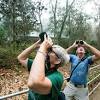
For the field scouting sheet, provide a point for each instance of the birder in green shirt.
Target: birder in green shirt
(44, 81)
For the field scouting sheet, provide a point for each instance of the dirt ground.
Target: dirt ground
(96, 94)
(15, 79)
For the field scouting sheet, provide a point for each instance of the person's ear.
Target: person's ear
(58, 61)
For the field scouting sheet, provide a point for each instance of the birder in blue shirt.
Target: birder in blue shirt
(77, 88)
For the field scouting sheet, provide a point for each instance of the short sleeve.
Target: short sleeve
(90, 61)
(71, 57)
(57, 81)
(29, 64)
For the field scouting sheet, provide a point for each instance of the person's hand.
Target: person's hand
(37, 44)
(75, 45)
(47, 43)
(85, 44)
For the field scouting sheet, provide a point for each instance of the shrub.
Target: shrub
(8, 57)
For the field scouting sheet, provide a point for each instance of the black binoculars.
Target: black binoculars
(79, 42)
(41, 36)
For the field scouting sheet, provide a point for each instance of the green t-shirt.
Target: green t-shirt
(57, 80)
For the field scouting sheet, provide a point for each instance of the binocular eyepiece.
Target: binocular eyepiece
(79, 42)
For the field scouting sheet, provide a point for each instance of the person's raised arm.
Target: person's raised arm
(69, 49)
(23, 57)
(95, 51)
(37, 81)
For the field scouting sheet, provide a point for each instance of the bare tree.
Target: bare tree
(54, 10)
(58, 34)
(97, 5)
(68, 7)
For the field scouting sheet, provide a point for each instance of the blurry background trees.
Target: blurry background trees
(19, 18)
(66, 23)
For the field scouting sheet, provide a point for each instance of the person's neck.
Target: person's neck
(80, 57)
(52, 66)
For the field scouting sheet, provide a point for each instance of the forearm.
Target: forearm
(27, 52)
(38, 67)
(69, 49)
(95, 51)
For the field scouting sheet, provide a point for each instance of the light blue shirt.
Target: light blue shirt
(79, 75)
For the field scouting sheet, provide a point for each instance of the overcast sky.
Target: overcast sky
(88, 8)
